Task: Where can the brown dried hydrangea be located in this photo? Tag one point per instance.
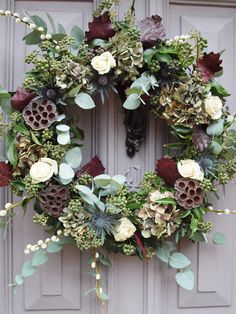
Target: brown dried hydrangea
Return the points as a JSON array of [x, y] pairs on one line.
[[157, 219], [181, 104]]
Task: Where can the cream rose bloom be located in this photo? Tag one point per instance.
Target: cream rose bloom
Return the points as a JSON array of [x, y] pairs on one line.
[[43, 170], [213, 107], [124, 230], [189, 168], [103, 63]]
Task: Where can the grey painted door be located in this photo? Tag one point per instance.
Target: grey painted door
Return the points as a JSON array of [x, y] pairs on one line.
[[134, 287]]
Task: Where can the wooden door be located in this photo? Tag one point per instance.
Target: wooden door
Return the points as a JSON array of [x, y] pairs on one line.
[[134, 287]]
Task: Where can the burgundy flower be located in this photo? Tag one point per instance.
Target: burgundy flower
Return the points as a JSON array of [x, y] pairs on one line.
[[5, 173], [101, 27], [21, 99], [94, 168], [209, 65], [151, 30], [166, 168]]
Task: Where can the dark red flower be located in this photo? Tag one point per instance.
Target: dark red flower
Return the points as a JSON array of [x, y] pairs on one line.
[[101, 27], [21, 99], [209, 65], [5, 173], [151, 30], [94, 168], [166, 168]]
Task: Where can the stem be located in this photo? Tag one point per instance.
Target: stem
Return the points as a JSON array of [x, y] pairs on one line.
[[219, 211]]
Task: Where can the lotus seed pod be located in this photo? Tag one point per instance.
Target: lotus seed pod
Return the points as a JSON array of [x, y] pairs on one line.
[[189, 193], [40, 114], [54, 199]]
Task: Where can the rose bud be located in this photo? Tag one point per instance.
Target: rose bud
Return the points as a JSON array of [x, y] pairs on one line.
[[21, 99]]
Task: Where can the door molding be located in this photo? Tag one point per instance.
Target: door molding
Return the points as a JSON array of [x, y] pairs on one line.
[[218, 3]]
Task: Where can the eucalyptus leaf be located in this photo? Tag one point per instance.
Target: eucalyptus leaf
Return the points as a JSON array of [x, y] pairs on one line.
[[39, 258], [19, 280], [54, 247], [164, 251], [178, 260], [66, 173], [185, 279], [216, 148], [77, 34], [84, 101], [219, 238], [216, 128], [73, 157], [132, 102], [28, 269], [102, 180]]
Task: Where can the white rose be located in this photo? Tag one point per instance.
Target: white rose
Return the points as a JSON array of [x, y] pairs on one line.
[[213, 107], [103, 63], [124, 230], [189, 168], [43, 170]]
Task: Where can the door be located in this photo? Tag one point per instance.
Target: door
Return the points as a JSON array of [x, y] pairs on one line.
[[134, 287]]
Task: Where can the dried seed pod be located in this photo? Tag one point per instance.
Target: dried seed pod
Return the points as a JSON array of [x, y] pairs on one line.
[[40, 114], [189, 193], [54, 199]]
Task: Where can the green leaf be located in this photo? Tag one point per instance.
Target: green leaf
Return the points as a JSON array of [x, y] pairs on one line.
[[164, 58], [216, 128], [149, 54], [199, 237], [54, 247], [185, 279], [73, 157], [219, 90], [166, 201], [5, 101], [11, 148], [75, 91], [28, 269], [39, 22], [181, 129], [219, 238], [164, 251], [84, 101], [77, 34], [19, 280], [193, 226], [99, 42], [33, 38], [35, 139], [132, 102], [39, 258], [102, 181], [21, 128], [178, 260]]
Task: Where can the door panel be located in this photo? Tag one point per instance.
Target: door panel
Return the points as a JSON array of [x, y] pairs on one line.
[[133, 286]]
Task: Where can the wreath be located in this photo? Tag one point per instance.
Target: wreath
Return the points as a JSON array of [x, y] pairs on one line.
[[175, 79]]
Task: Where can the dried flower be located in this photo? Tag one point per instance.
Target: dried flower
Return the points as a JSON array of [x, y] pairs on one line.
[[5, 173], [166, 168], [21, 99]]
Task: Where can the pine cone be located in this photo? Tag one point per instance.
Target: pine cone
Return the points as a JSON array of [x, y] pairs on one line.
[[40, 114], [189, 193], [54, 199]]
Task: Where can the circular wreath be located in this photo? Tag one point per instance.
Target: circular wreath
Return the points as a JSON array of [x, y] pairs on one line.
[[175, 79]]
